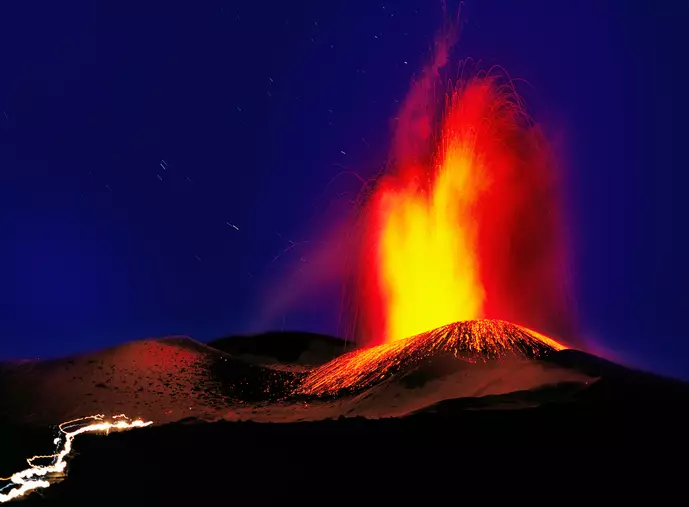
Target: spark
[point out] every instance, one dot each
(465, 220)
(473, 340)
(232, 225)
(37, 476)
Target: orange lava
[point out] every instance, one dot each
(477, 340)
(464, 224)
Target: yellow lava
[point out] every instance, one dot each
(428, 243)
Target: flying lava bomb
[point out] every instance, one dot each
(465, 221)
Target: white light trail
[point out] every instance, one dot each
(37, 476)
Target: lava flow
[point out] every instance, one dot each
(476, 340)
(464, 224)
(33, 478)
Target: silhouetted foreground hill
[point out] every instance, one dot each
(295, 348)
(620, 385)
(229, 429)
(201, 464)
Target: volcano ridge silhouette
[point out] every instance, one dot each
(423, 411)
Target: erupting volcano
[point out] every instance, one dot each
(464, 223)
(462, 343)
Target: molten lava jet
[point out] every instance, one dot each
(464, 223)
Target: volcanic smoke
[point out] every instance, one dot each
(464, 223)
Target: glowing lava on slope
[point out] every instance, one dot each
(464, 224)
(34, 477)
(470, 340)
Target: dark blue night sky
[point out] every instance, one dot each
(253, 108)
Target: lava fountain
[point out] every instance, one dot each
(464, 223)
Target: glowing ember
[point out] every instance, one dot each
(471, 340)
(464, 224)
(36, 476)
